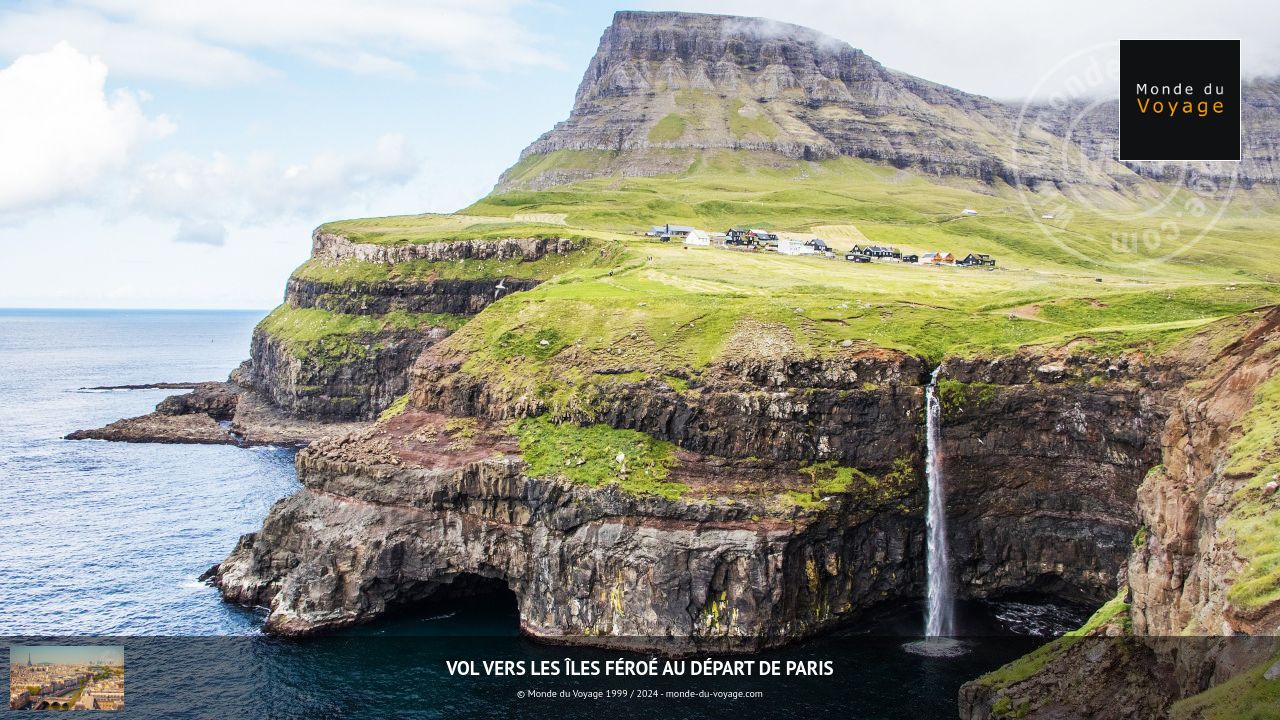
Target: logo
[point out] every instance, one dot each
(1179, 100)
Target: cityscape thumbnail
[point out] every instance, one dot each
(66, 677)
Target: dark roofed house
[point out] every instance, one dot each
(880, 252)
(670, 230)
(975, 259)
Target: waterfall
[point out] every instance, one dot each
(938, 617)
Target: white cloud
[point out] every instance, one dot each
(60, 133)
(201, 232)
(64, 138)
(261, 188)
(129, 48)
(212, 42)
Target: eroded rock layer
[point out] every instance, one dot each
(397, 515)
(1043, 455)
(393, 516)
(1200, 609)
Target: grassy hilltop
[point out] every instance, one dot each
(629, 301)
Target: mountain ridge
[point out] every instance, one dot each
(663, 87)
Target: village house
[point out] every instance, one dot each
(973, 259)
(937, 258)
(819, 245)
(794, 246)
(739, 235)
(697, 237)
(877, 251)
(666, 232)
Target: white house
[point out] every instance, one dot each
(697, 237)
(968, 211)
(794, 246)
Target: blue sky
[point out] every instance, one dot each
(67, 654)
(177, 153)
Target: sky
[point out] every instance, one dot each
(67, 654)
(178, 153)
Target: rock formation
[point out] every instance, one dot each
(666, 87)
(1201, 608)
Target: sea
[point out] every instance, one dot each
(103, 543)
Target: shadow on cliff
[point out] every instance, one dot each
(471, 605)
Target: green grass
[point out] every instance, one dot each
(1247, 696)
(722, 188)
(830, 478)
(599, 254)
(431, 228)
(1028, 665)
(955, 396)
(396, 408)
(668, 129)
(631, 305)
(329, 338)
(303, 325)
(1254, 521)
(745, 126)
(598, 455)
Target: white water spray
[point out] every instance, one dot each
(938, 616)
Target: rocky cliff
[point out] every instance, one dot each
(397, 515)
(341, 345)
(665, 80)
(1202, 606)
(1044, 454)
(338, 351)
(664, 87)
(794, 501)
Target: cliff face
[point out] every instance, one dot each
(861, 410)
(394, 516)
(665, 86)
(687, 81)
(1200, 609)
(1043, 455)
(341, 346)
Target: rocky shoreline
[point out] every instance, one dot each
(217, 413)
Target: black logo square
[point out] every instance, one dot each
(1179, 100)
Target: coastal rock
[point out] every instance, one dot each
(354, 379)
(333, 248)
(217, 400)
(455, 297)
(1042, 463)
(218, 414)
(1180, 633)
(384, 522)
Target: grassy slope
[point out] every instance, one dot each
(1247, 696)
(1036, 661)
(663, 309)
(1253, 523)
(327, 337)
(666, 309)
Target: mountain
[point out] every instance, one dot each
(664, 87)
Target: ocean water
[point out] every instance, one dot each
(102, 543)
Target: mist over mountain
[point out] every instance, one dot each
(664, 86)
